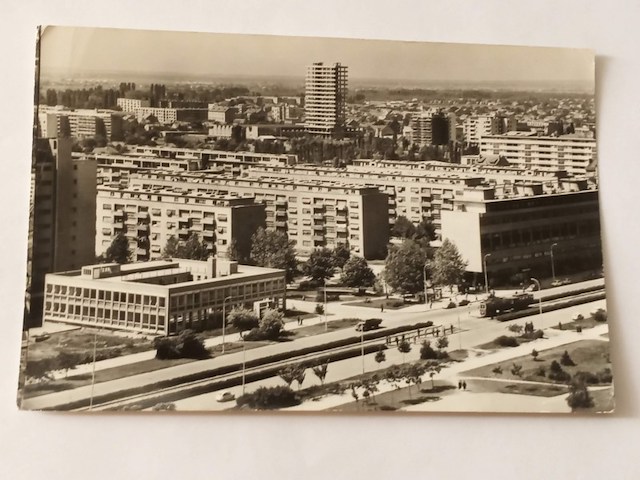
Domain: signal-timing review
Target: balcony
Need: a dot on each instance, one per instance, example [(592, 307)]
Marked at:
[(143, 228), (281, 224), (118, 225), (318, 227)]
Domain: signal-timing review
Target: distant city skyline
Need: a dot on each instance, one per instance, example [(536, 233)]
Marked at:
[(78, 51)]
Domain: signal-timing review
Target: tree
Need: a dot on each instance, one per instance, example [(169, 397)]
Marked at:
[(566, 359), (427, 352), (413, 374), (515, 328), (274, 250), (425, 230), (40, 369), (287, 374), (171, 247), (300, 372), (118, 251), (185, 345), (193, 249), (357, 273), (433, 368), (403, 228), (404, 265), (579, 396), (320, 371), (341, 255), (271, 324), (516, 370), (243, 319), (319, 266), (534, 354), (404, 347), (447, 266), (380, 355), (443, 342), (67, 361)]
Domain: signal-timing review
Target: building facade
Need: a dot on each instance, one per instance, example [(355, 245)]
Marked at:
[(130, 105), (572, 153), (158, 298), (325, 99)]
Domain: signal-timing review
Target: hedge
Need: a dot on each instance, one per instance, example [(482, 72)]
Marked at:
[(549, 308)]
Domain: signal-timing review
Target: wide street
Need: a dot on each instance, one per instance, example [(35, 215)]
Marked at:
[(476, 330)]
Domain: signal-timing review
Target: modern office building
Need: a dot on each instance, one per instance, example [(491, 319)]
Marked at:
[(161, 297), (314, 214), (572, 153), (62, 223), (325, 99), (517, 233), (148, 217), (221, 114)]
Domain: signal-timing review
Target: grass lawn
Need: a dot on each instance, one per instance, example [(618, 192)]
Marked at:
[(588, 355), (586, 323), (521, 388), (80, 342), (399, 398), (320, 328), (492, 345), (389, 303)]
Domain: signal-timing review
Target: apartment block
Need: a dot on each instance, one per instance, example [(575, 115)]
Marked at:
[(572, 153), (313, 214), (130, 105), (62, 217), (148, 217), (433, 127), (58, 122), (160, 297), (475, 127), (325, 98)]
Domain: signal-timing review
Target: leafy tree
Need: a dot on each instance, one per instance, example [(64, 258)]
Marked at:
[(341, 255), (425, 230), (356, 273), (243, 318), (67, 361), (413, 374), (433, 368), (185, 345), (271, 324), (534, 354), (274, 250), (516, 370), (171, 247), (301, 372), (267, 398), (118, 251), (447, 266), (557, 373), (427, 352), (193, 249), (403, 228), (404, 347), (579, 396), (443, 342), (287, 374), (320, 371), (404, 267), (40, 369), (320, 265), (380, 355)]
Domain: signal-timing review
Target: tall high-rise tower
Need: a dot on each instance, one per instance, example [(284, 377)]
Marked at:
[(325, 99)]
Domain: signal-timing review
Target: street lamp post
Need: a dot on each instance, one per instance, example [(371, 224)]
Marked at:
[(424, 280), (224, 319), (539, 300), (362, 347), (486, 274), (324, 308), (553, 267), (244, 363)]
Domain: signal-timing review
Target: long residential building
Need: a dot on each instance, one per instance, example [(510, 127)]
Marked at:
[(572, 153), (60, 122), (148, 217), (160, 297), (313, 214), (516, 235), (475, 127)]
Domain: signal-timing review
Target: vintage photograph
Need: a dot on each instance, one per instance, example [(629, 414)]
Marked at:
[(242, 223)]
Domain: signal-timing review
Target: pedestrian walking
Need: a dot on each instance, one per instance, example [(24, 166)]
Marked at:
[(381, 307), (464, 385), (459, 384)]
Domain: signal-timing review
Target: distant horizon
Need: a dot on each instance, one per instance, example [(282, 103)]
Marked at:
[(72, 52)]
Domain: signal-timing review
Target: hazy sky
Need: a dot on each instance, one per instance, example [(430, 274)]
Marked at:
[(69, 50)]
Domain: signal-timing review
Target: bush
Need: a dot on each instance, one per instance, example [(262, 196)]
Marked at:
[(427, 352), (497, 370), (331, 297), (395, 303), (600, 315), (506, 341), (319, 309), (185, 345), (463, 303), (308, 285), (605, 376), (579, 396), (588, 378), (268, 398), (533, 335), (450, 305), (540, 371)]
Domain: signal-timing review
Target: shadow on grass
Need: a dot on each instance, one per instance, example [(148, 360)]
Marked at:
[(423, 399), (438, 389)]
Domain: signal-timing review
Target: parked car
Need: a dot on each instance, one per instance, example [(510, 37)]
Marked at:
[(226, 397)]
